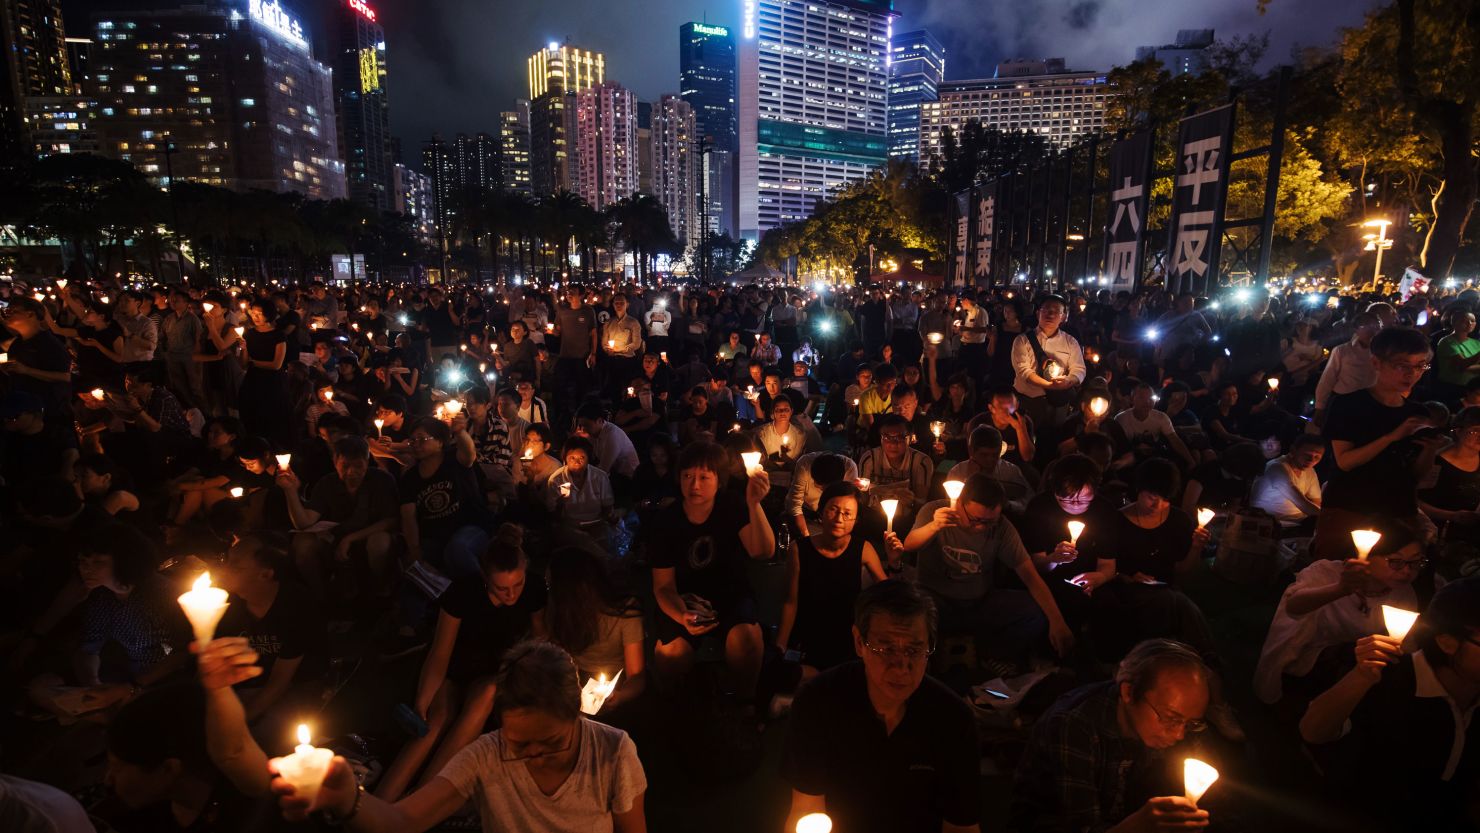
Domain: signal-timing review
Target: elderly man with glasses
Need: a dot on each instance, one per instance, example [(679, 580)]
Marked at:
[(960, 545), (877, 745)]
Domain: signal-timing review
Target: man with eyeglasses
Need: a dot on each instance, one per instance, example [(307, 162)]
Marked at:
[(1332, 605), (1101, 758), (960, 547), (876, 744), (1378, 457)]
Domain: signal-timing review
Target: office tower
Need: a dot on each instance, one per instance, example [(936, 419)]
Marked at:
[(357, 52), (232, 92), (556, 72), (36, 66), (476, 160), (707, 81), (439, 163), (564, 68), (604, 163), (645, 147), (62, 124), (813, 104), (675, 174), (917, 64), (1031, 96), (411, 195), (514, 146), (1188, 55)]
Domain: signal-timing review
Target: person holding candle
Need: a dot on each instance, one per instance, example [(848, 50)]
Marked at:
[(479, 620), (1144, 425), (894, 469), (621, 345), (442, 507), (824, 577), (611, 448), (599, 625), (1102, 757), (1048, 365), (205, 485), (984, 457), (1411, 715), (1330, 606), (1094, 417), (782, 443), (546, 768), (959, 550), (536, 464), (580, 493), (1072, 569)]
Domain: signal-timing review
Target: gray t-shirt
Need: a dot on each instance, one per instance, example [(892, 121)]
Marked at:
[(958, 563), (607, 779)]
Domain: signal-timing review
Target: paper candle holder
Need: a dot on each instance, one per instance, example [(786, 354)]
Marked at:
[(1196, 778), (953, 490), (595, 692), (204, 606), (1398, 621), (1365, 540), (1076, 529), (890, 507)]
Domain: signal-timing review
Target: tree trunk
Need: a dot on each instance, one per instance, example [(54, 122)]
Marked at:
[(1455, 203)]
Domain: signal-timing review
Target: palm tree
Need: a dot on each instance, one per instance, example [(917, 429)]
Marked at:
[(560, 212)]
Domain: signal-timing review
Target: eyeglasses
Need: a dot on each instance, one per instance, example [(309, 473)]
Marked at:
[(909, 653), (1396, 564), (969, 519), (1192, 726), (1404, 368), (418, 440), (892, 438), (514, 751), (838, 514)]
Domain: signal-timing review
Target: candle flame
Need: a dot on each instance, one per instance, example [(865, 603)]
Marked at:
[(1099, 406), (1398, 621), (1205, 516), (1197, 777), (889, 507), (1365, 540), (752, 460), (1076, 529), (203, 583), (98, 393), (283, 460), (953, 489), (303, 736), (454, 407), (815, 823)]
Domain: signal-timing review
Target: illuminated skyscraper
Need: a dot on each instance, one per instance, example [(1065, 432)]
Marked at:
[(675, 177), (231, 90), (357, 52), (35, 55), (917, 63), (564, 68), (476, 159), (439, 162), (514, 146), (605, 159), (707, 81), (813, 104), (555, 73)]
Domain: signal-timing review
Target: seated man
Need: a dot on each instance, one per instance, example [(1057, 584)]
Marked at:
[(1289, 489), (351, 513), (960, 548), (1411, 715), (894, 469), (612, 449), (880, 721), (984, 457), (1149, 429), (811, 476), (1098, 759)]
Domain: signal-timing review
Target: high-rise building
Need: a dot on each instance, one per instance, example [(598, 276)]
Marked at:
[(813, 104), (513, 129), (62, 124), (36, 65), (439, 162), (917, 65), (645, 146), (1188, 55), (476, 159), (675, 179), (564, 68), (604, 164), (708, 75), (411, 195), (1034, 97), (356, 48), (231, 91)]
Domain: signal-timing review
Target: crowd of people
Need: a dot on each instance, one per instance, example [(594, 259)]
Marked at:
[(907, 528)]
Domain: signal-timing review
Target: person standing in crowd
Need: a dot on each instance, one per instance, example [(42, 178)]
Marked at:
[(1350, 367), (1048, 365), (621, 346), (575, 325), (37, 361)]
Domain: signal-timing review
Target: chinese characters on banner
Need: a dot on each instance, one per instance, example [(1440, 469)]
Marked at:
[(984, 220), (960, 238), (1125, 231), (1196, 230)]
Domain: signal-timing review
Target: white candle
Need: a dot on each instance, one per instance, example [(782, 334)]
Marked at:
[(1365, 540), (595, 692), (283, 460), (207, 306), (890, 507), (814, 823), (379, 426), (453, 406), (98, 394), (1196, 778), (1204, 517), (936, 338), (1274, 383), (1099, 406), (937, 428), (864, 483), (306, 767), (1076, 529), (953, 490), (1398, 621), (752, 461), (203, 605), (237, 491)]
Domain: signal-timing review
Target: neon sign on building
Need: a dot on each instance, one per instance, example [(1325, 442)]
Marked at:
[(270, 15), (363, 8), (749, 19)]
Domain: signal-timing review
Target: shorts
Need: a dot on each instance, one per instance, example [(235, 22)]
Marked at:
[(730, 612)]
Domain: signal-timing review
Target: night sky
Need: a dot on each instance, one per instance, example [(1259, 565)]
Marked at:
[(454, 64)]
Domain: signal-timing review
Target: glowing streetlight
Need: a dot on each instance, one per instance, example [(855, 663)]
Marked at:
[(1378, 242)]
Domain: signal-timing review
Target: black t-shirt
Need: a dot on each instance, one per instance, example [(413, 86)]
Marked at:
[(92, 365), (262, 346), (1154, 552), (445, 502), (575, 331), (44, 351), (298, 338), (292, 628), (488, 630), (438, 322), (926, 772), (1045, 523), (1386, 483), (375, 500), (1220, 490), (708, 559)]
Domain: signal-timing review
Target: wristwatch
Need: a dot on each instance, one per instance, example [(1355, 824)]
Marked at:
[(333, 820)]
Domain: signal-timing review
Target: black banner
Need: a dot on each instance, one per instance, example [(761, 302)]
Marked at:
[(960, 238), (983, 231), (1125, 226), (1204, 146)]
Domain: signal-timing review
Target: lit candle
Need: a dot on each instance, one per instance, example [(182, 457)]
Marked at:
[(98, 394), (328, 394), (240, 331), (814, 823), (595, 692), (465, 348), (936, 338), (306, 767), (864, 483), (379, 427), (549, 328), (937, 428), (203, 605), (283, 460), (207, 306), (1205, 517), (61, 283), (103, 299), (611, 344), (1196, 778), (786, 440), (664, 356), (735, 429), (1076, 529), (40, 296), (1398, 621), (1365, 540), (953, 490), (631, 391), (1099, 406), (890, 507), (1053, 369), (453, 406), (1274, 383), (565, 489), (237, 491), (752, 461), (4, 357)]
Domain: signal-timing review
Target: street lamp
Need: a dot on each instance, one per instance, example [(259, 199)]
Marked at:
[(1377, 243)]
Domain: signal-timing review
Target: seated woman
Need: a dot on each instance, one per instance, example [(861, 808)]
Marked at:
[(1225, 483), (1331, 605), (824, 576), (102, 483), (545, 765), (1455, 494), (579, 493), (1224, 421), (599, 625), (206, 483), (478, 622), (1072, 570)]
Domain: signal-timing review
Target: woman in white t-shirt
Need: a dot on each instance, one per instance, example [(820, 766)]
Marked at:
[(546, 769)]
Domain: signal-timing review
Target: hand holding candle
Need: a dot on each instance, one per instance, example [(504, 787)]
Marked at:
[(306, 767), (1076, 529), (1365, 540), (283, 460), (1398, 621), (204, 606), (596, 691), (1196, 778), (1204, 517), (752, 460), (953, 490)]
